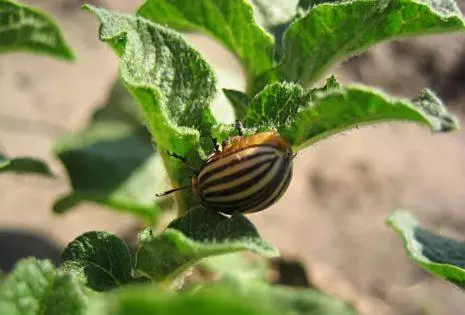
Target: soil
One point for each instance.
(332, 217)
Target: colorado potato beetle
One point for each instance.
(249, 174)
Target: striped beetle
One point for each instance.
(248, 175)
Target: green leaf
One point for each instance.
(306, 116)
(276, 106)
(284, 300)
(24, 165)
(238, 265)
(101, 259)
(229, 21)
(198, 234)
(442, 256)
(112, 161)
(224, 297)
(239, 101)
(335, 30)
(331, 84)
(23, 28)
(35, 287)
(144, 300)
(346, 108)
(174, 86)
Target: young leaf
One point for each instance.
(304, 117)
(239, 101)
(173, 84)
(24, 165)
(331, 84)
(228, 21)
(442, 256)
(198, 234)
(335, 30)
(276, 106)
(23, 28)
(101, 259)
(113, 161)
(35, 287)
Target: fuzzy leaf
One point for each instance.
(24, 165)
(231, 22)
(102, 260)
(276, 106)
(346, 108)
(112, 161)
(172, 83)
(23, 28)
(332, 31)
(198, 234)
(35, 287)
(307, 116)
(442, 256)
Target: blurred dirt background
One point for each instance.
(331, 219)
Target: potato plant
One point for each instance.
(161, 103)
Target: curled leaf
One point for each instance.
(440, 255)
(198, 234)
(101, 259)
(173, 85)
(23, 28)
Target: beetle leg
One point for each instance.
(184, 161)
(240, 128)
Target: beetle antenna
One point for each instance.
(172, 191)
(183, 160)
